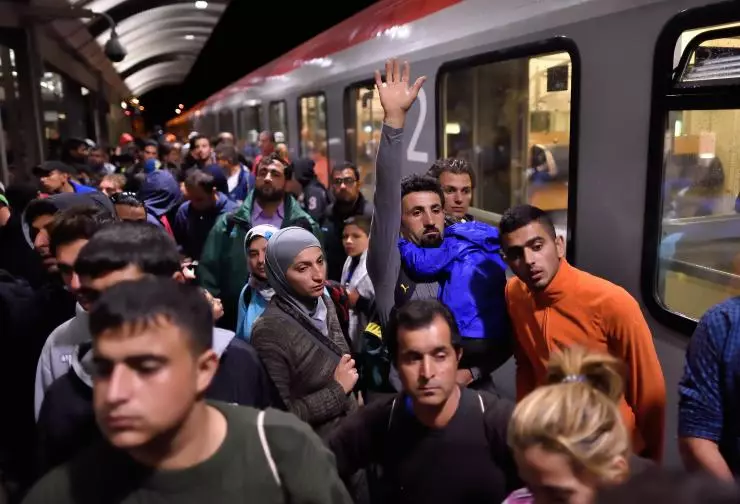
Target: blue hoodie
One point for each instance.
(191, 227)
(471, 275)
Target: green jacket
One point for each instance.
(223, 265)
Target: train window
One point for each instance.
(248, 125)
(226, 121)
(364, 120)
(511, 119)
(312, 127)
(279, 120)
(696, 143)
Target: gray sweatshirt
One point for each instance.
(384, 258)
(61, 348)
(57, 354)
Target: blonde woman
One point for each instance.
(568, 436)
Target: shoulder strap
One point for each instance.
(266, 447)
(324, 344)
(390, 417)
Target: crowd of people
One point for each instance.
(190, 322)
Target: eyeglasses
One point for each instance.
(348, 181)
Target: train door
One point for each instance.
(363, 123)
(511, 119)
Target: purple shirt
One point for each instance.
(259, 217)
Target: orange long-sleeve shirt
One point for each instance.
(581, 309)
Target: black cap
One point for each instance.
(49, 166)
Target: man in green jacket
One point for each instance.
(223, 269)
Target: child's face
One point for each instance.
(354, 240)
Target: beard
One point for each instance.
(270, 195)
(430, 241)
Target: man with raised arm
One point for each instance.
(418, 209)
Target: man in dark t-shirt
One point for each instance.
(435, 442)
(164, 443)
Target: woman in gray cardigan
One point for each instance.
(299, 337)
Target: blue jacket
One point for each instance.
(471, 275)
(245, 184)
(82, 189)
(191, 227)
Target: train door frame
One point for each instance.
(529, 50)
(667, 97)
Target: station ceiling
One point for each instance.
(163, 37)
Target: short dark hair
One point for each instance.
(76, 223)
(346, 166)
(522, 215)
(360, 221)
(127, 243)
(421, 183)
(195, 139)
(201, 179)
(272, 158)
(227, 152)
(39, 207)
(416, 314)
(142, 302)
(151, 143)
(452, 165)
(127, 199)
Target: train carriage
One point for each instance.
(620, 117)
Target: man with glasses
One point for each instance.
(222, 269)
(348, 202)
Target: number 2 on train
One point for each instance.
(411, 153)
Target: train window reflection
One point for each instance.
(226, 121)
(278, 119)
(511, 119)
(312, 124)
(714, 60)
(364, 122)
(248, 125)
(700, 244)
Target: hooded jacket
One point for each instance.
(66, 423)
(192, 226)
(223, 269)
(57, 354)
(161, 195)
(471, 275)
(67, 200)
(315, 197)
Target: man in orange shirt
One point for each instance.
(553, 305)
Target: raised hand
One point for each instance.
(396, 96)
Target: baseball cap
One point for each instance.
(49, 166)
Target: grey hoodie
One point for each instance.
(61, 351)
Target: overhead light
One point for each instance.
(178, 111)
(189, 36)
(135, 101)
(452, 128)
(201, 4)
(124, 105)
(84, 91)
(181, 106)
(142, 108)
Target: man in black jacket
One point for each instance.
(348, 202)
(120, 252)
(436, 442)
